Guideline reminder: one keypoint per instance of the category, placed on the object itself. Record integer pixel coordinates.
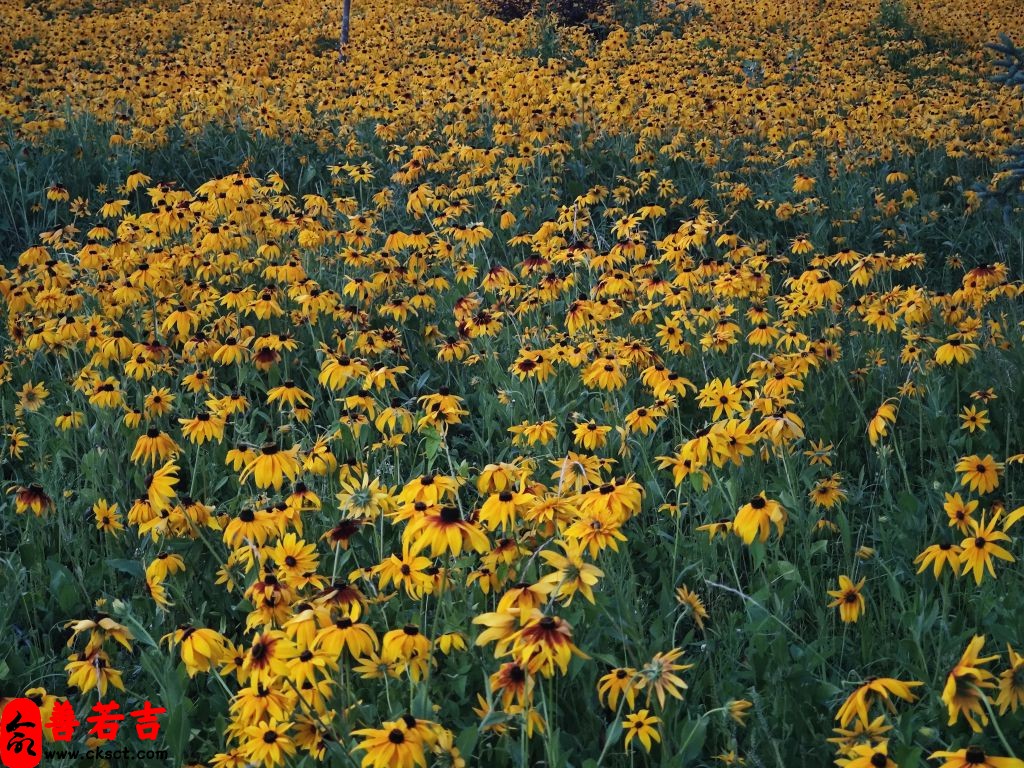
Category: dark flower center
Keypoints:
(975, 756)
(396, 736)
(450, 515)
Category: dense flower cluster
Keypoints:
(415, 464)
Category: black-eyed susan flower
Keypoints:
(32, 396)
(980, 547)
(956, 351)
(108, 519)
(661, 676)
(964, 691)
(250, 525)
(972, 419)
(960, 512)
(501, 510)
(979, 474)
(848, 599)
(939, 556)
(571, 573)
(859, 703)
(346, 634)
(409, 648)
(165, 564)
(31, 497)
(621, 682)
(513, 684)
(268, 742)
(408, 572)
(160, 486)
(69, 420)
(443, 530)
(272, 466)
(870, 756)
(974, 757)
(643, 726)
(268, 656)
(92, 670)
(204, 426)
(154, 447)
(878, 426)
(394, 745)
(201, 648)
(755, 519)
(691, 603)
(1011, 682)
(543, 644)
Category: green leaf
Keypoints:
(172, 696)
(908, 757)
(693, 741)
(466, 742)
(131, 567)
(787, 571)
(492, 718)
(432, 443)
(62, 585)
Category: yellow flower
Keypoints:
(397, 744)
(107, 518)
(964, 690)
(272, 466)
(1011, 682)
(848, 599)
(571, 575)
(974, 757)
(621, 682)
(755, 518)
(201, 649)
(859, 702)
(978, 549)
(641, 725)
(939, 556)
(31, 396)
(973, 419)
(878, 427)
(979, 474)
(661, 678)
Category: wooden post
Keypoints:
(346, 12)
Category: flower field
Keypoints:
(508, 393)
